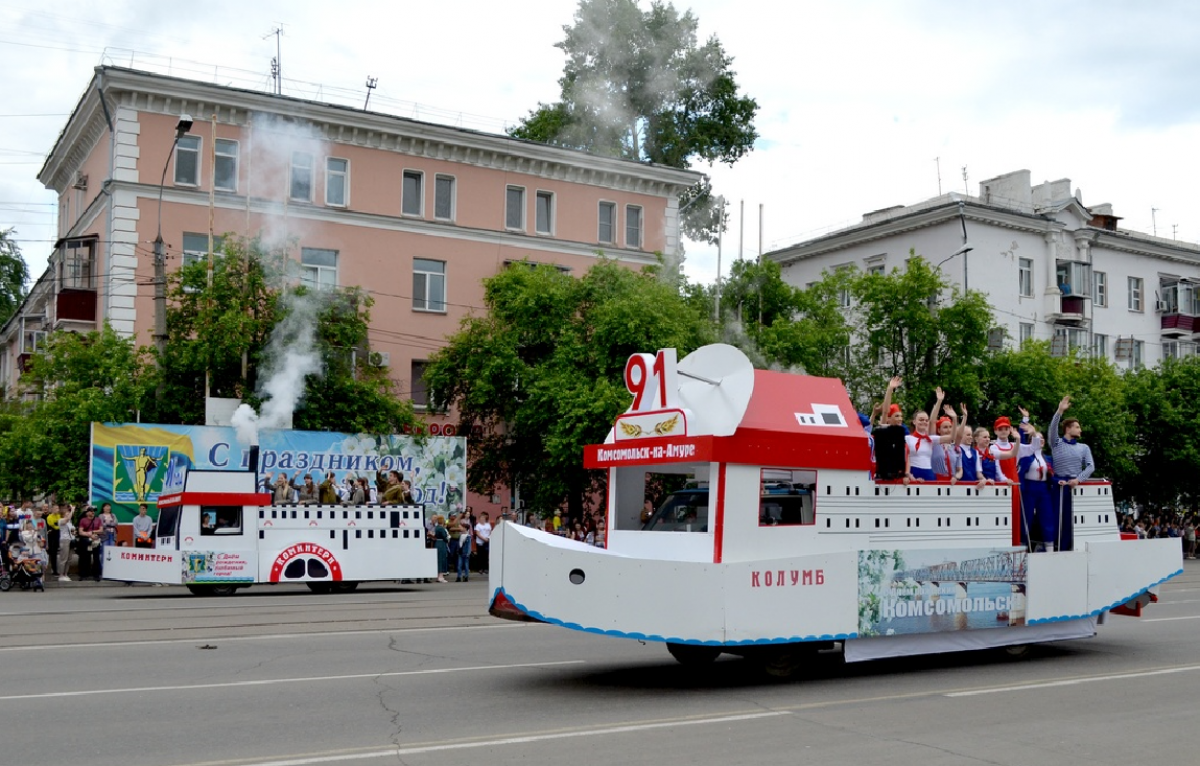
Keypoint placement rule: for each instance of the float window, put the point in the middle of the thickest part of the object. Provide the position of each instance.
(220, 520)
(787, 497)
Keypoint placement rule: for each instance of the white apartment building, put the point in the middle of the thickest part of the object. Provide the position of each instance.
(1051, 268)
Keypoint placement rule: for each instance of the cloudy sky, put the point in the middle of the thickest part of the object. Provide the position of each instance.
(857, 97)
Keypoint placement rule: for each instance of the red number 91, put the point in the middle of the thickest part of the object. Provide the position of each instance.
(637, 370)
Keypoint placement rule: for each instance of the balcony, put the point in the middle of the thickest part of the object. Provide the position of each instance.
(1178, 307)
(1071, 310)
(75, 305)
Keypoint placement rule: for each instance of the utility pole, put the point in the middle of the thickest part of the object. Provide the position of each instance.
(1154, 220)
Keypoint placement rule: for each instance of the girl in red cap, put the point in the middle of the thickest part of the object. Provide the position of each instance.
(921, 446)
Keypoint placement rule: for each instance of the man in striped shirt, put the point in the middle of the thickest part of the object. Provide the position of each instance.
(1072, 464)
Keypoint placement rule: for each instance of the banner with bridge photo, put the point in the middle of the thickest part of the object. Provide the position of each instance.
(940, 590)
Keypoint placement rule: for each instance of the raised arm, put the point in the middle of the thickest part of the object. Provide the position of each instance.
(1054, 421)
(892, 385)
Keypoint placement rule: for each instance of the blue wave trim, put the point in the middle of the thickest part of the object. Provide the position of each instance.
(1113, 605)
(664, 639)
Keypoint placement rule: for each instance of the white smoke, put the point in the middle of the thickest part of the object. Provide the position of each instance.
(291, 356)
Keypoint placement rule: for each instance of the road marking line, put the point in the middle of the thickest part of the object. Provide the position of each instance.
(1170, 619)
(394, 752)
(274, 681)
(1073, 681)
(270, 637)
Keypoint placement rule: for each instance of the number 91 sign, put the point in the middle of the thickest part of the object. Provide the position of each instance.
(652, 380)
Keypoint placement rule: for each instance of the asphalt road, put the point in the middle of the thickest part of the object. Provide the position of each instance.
(116, 676)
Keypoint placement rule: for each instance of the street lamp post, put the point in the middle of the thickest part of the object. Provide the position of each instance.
(160, 261)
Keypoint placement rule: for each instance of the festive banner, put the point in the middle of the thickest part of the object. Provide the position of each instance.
(129, 461)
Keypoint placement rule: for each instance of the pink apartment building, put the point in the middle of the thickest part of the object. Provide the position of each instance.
(415, 213)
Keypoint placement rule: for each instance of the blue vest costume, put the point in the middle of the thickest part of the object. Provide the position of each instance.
(1040, 522)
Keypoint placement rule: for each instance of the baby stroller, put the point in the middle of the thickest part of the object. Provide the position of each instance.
(5, 578)
(28, 569)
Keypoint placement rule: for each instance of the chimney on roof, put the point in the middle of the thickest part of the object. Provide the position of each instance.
(1010, 190)
(1102, 217)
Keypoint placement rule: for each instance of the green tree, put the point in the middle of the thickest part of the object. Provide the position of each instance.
(541, 373)
(225, 332)
(639, 85)
(81, 378)
(1165, 405)
(909, 324)
(14, 274)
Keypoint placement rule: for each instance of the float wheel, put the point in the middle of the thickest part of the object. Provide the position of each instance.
(694, 654)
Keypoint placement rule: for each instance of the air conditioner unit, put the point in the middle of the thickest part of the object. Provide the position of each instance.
(1160, 306)
(380, 359)
(81, 180)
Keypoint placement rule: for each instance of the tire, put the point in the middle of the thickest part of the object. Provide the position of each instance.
(344, 587)
(694, 654)
(784, 660)
(1018, 651)
(319, 587)
(212, 590)
(5, 583)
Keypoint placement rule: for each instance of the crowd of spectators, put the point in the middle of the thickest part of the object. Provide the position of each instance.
(1153, 525)
(58, 534)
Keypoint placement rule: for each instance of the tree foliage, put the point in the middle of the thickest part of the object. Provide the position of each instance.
(225, 332)
(14, 274)
(541, 373)
(639, 85)
(99, 376)
(1165, 443)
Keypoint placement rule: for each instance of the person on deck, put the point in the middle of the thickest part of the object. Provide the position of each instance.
(1037, 520)
(1073, 464)
(920, 446)
(891, 459)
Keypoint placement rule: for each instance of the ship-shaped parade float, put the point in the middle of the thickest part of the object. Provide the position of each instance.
(776, 541)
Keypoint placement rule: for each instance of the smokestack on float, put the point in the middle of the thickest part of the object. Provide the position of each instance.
(253, 459)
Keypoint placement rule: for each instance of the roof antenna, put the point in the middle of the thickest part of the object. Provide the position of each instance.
(371, 81)
(277, 62)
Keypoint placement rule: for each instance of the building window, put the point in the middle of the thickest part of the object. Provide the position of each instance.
(1025, 271)
(1136, 286)
(443, 198)
(318, 268)
(633, 226)
(545, 213)
(608, 222)
(411, 203)
(78, 266)
(187, 161)
(1139, 354)
(429, 285)
(1100, 288)
(337, 182)
(33, 341)
(877, 268)
(514, 208)
(226, 170)
(1100, 346)
(1067, 339)
(195, 247)
(1025, 333)
(302, 177)
(418, 391)
(1074, 278)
